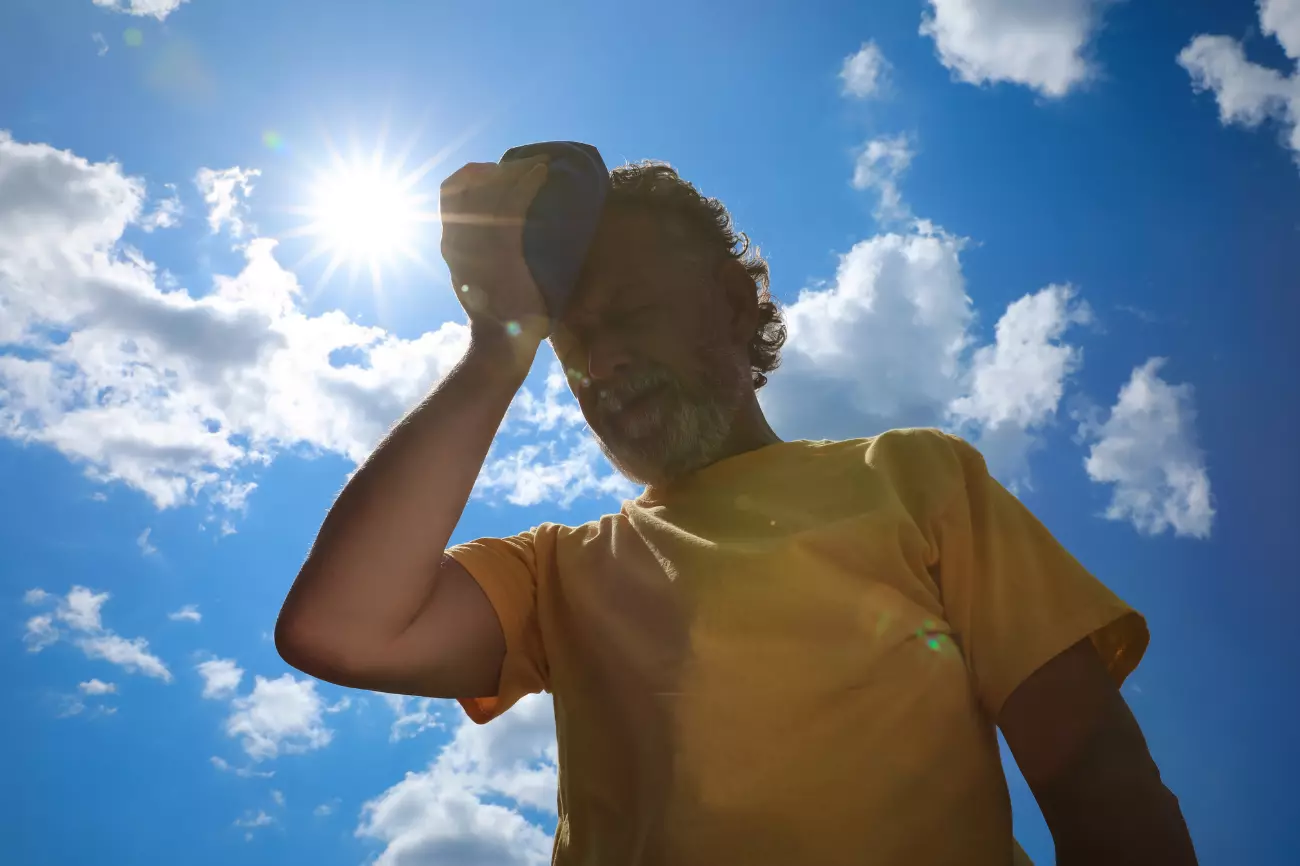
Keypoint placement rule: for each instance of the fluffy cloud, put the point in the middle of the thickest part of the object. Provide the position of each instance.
(35, 596)
(242, 772)
(97, 687)
(891, 341)
(559, 467)
(173, 394)
(278, 797)
(260, 819)
(39, 632)
(221, 677)
(882, 346)
(279, 716)
(412, 716)
(226, 192)
(133, 654)
(252, 821)
(78, 614)
(441, 816)
(879, 165)
(142, 542)
(1040, 44)
(159, 9)
(187, 613)
(166, 213)
(80, 609)
(1147, 450)
(1015, 385)
(865, 73)
(1249, 94)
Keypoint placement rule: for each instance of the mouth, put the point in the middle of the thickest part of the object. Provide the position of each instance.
(613, 407)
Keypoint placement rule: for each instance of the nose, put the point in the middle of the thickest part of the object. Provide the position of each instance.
(607, 358)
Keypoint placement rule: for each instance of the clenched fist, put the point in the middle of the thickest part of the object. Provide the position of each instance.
(482, 208)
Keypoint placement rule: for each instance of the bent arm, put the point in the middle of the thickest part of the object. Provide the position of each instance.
(1084, 757)
(377, 605)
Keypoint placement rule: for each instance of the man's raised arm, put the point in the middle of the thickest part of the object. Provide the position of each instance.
(377, 605)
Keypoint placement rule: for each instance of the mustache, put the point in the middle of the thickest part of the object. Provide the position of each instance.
(614, 396)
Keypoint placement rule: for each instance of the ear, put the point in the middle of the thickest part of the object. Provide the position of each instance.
(741, 295)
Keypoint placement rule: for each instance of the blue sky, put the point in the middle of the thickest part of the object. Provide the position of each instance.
(1000, 236)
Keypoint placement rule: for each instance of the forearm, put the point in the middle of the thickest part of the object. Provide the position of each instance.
(369, 571)
(1116, 811)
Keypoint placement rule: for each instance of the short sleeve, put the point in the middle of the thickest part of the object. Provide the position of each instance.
(1014, 596)
(507, 569)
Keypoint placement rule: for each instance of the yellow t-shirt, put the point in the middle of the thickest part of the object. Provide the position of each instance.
(795, 657)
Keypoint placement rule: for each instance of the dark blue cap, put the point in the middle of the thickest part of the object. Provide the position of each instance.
(561, 222)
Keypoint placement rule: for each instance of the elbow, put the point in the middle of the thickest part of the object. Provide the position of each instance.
(298, 636)
(292, 645)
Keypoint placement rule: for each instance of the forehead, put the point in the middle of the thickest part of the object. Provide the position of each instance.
(627, 254)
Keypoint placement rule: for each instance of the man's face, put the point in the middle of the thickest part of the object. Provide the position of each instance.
(650, 351)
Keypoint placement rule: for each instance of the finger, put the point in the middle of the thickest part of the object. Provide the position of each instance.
(478, 218)
(517, 199)
(468, 175)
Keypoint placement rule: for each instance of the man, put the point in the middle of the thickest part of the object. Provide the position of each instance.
(780, 652)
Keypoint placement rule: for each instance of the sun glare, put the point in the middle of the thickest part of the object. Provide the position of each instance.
(366, 213)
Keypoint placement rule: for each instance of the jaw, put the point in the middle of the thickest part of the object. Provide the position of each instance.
(671, 445)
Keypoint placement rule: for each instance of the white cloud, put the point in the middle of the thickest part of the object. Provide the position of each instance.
(560, 466)
(159, 9)
(40, 632)
(879, 165)
(261, 819)
(441, 816)
(174, 394)
(866, 72)
(1247, 93)
(242, 772)
(883, 346)
(251, 821)
(133, 655)
(36, 596)
(187, 613)
(81, 609)
(1041, 44)
(413, 716)
(890, 341)
(70, 705)
(278, 797)
(1281, 20)
(100, 43)
(142, 541)
(221, 677)
(1016, 384)
(166, 213)
(97, 687)
(226, 191)
(279, 716)
(1147, 449)
(324, 810)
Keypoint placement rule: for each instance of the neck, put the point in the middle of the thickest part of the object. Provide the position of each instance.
(749, 432)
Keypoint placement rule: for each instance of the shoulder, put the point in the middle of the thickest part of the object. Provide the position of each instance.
(920, 451)
(926, 466)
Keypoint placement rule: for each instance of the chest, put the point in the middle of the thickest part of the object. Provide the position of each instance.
(764, 595)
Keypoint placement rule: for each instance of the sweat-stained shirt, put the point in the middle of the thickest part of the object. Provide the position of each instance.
(796, 656)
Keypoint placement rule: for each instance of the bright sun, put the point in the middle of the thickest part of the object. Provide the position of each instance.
(365, 213)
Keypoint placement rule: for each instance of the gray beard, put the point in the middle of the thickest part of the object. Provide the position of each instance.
(682, 434)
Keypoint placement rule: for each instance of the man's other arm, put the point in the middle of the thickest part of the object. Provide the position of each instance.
(1084, 757)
